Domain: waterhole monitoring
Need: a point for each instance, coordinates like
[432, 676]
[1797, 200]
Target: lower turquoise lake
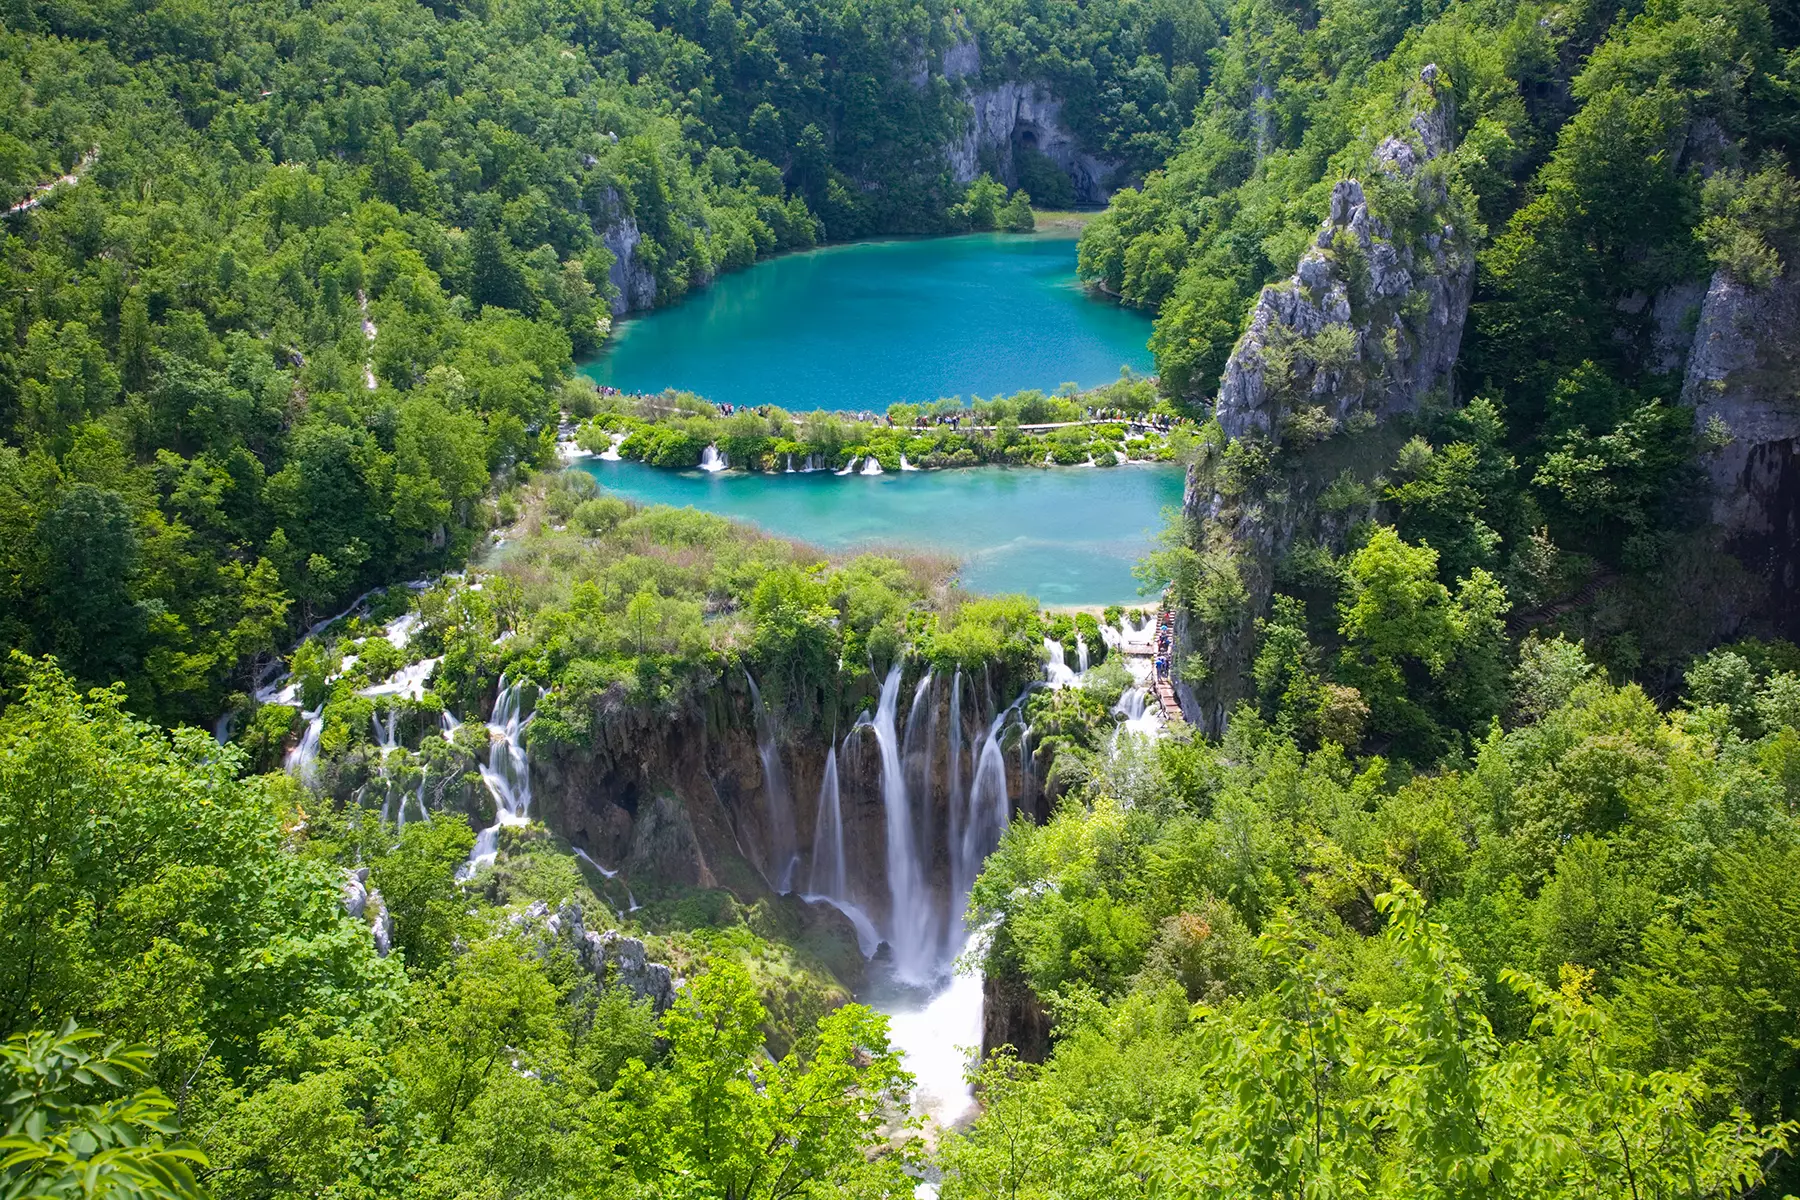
[869, 324]
[1065, 535]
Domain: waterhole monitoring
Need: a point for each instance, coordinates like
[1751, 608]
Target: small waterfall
[611, 453]
[809, 466]
[989, 812]
[906, 466]
[829, 881]
[790, 465]
[1140, 716]
[782, 852]
[1081, 654]
[302, 761]
[712, 460]
[871, 466]
[507, 773]
[828, 873]
[850, 467]
[1056, 670]
[915, 958]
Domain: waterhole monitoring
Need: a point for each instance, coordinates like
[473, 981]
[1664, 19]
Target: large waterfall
[909, 900]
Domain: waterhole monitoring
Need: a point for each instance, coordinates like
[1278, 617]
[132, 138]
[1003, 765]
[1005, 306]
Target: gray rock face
[1365, 330]
[1396, 339]
[1010, 115]
[634, 283]
[1743, 372]
[365, 903]
[611, 957]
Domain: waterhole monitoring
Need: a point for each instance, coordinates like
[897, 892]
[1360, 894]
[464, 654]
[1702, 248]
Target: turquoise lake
[865, 325]
[1067, 535]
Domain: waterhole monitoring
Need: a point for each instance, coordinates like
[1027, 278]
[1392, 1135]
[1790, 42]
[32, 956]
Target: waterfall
[303, 760]
[611, 453]
[1140, 716]
[712, 460]
[828, 874]
[909, 901]
[989, 813]
[507, 773]
[829, 881]
[1056, 670]
[917, 752]
[1081, 653]
[871, 466]
[782, 851]
[906, 466]
[850, 467]
[955, 800]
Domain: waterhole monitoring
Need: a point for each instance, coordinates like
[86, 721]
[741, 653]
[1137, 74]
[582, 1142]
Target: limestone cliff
[1363, 334]
[1743, 380]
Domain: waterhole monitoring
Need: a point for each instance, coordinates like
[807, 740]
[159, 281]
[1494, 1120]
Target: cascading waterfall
[909, 932]
[1140, 716]
[302, 761]
[1081, 654]
[783, 849]
[1056, 670]
[871, 466]
[850, 467]
[712, 460]
[507, 773]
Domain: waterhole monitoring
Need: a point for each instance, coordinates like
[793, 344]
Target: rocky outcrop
[366, 905]
[610, 957]
[1012, 1015]
[1743, 382]
[634, 283]
[1364, 332]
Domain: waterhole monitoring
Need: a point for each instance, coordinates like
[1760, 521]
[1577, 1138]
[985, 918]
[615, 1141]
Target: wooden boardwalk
[1164, 686]
[1156, 649]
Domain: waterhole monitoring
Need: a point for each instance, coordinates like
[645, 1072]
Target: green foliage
[62, 1139]
[803, 1124]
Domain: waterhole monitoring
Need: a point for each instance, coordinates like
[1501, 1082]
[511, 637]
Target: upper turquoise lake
[866, 325]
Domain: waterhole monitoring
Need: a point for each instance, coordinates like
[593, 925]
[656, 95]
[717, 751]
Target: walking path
[44, 191]
[1156, 649]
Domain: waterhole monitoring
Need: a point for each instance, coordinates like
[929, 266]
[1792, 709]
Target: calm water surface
[866, 325]
[1066, 535]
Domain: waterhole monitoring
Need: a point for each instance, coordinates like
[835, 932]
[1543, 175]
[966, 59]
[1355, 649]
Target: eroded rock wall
[1363, 334]
[1743, 381]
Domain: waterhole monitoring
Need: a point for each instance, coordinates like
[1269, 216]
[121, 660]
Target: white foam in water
[712, 460]
[938, 1039]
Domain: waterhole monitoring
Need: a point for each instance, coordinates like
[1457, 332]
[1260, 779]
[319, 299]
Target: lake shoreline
[861, 325]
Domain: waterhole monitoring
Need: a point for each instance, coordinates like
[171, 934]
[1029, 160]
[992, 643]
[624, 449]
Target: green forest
[1467, 864]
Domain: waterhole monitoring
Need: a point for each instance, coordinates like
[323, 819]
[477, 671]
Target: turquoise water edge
[862, 326]
[1066, 535]
[867, 325]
